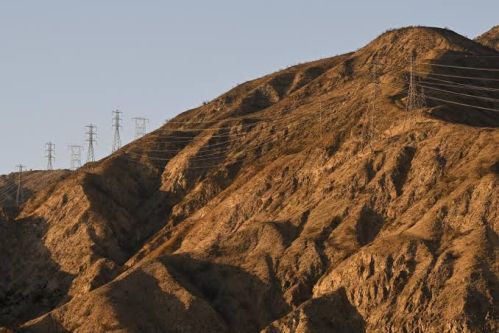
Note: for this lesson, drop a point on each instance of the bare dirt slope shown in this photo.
(31, 182)
(490, 38)
(308, 200)
(19, 270)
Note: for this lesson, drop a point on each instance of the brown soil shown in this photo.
(490, 38)
(290, 218)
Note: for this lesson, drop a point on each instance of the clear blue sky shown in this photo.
(66, 63)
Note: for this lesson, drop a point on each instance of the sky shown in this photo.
(65, 63)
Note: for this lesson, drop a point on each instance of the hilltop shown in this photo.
(308, 200)
(490, 38)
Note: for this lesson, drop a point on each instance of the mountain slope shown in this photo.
(307, 200)
(490, 38)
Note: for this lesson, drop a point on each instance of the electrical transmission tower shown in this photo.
(75, 156)
(140, 126)
(91, 134)
(19, 194)
(50, 155)
(116, 127)
(415, 98)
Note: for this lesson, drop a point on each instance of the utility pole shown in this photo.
(50, 150)
(19, 194)
(116, 127)
(140, 126)
(75, 156)
(91, 141)
(415, 99)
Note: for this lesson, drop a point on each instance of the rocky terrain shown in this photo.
(308, 200)
(31, 182)
(490, 38)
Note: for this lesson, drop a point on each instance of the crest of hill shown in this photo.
(395, 47)
(32, 182)
(389, 55)
(490, 38)
(315, 212)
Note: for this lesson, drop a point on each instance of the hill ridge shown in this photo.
(289, 199)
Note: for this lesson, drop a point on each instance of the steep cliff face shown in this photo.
(309, 200)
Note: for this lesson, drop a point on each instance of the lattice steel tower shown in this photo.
(415, 98)
(75, 156)
(140, 126)
(116, 127)
(91, 134)
(50, 155)
(19, 194)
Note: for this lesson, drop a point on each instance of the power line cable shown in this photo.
(209, 156)
(13, 186)
(461, 94)
(217, 144)
(459, 76)
(463, 104)
(462, 67)
(206, 157)
(453, 84)
(208, 128)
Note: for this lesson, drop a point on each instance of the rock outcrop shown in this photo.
(309, 200)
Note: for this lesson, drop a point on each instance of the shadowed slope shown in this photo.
(288, 197)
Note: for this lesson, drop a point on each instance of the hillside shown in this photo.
(490, 38)
(308, 200)
(31, 182)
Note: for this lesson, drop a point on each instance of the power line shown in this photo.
(232, 118)
(471, 55)
(75, 156)
(462, 67)
(458, 76)
(230, 138)
(415, 99)
(12, 189)
(453, 84)
(463, 104)
(207, 156)
(140, 126)
(240, 126)
(13, 186)
(91, 141)
(461, 94)
(50, 155)
(207, 152)
(8, 188)
(116, 127)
